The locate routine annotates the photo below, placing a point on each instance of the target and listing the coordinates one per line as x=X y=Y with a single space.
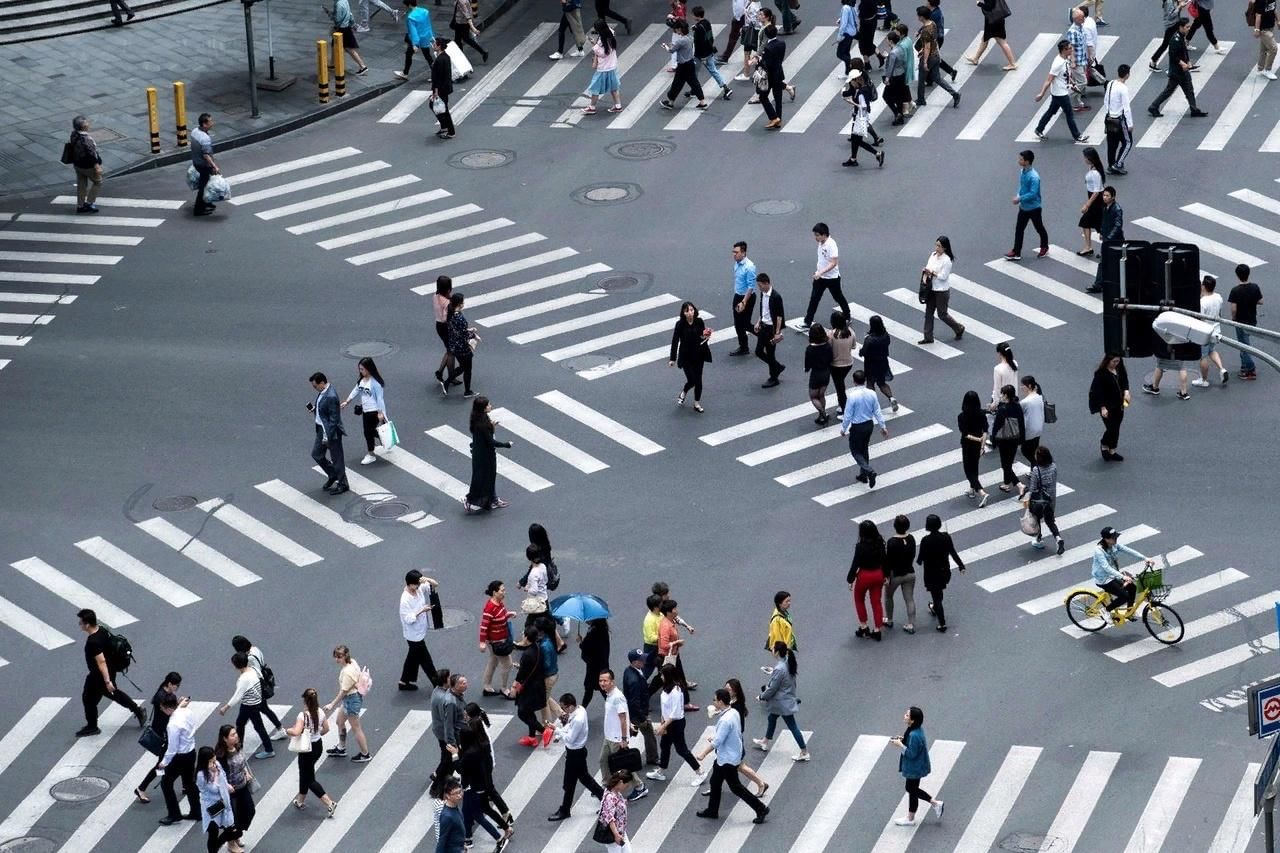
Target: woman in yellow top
x=780 y=628
x=352 y=701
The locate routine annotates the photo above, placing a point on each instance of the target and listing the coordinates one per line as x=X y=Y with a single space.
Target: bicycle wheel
x=1163 y=622
x=1085 y=611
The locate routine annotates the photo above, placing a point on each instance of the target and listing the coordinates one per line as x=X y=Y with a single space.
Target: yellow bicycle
x=1087 y=608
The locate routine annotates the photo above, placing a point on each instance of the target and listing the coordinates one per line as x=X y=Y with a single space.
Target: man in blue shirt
x=727 y=745
x=744 y=279
x=860 y=411
x=1028 y=203
x=451 y=837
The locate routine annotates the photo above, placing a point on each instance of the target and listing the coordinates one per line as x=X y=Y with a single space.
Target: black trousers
x=1183 y=82
x=445 y=766
x=844 y=51
x=307 y=770
x=417 y=657
x=970 y=454
x=369 y=421
x=735 y=31
x=1008 y=453
x=860 y=446
x=408 y=54
x=674 y=737
x=206 y=172
x=693 y=377
x=95 y=690
x=1122 y=594
x=772 y=100
x=1111 y=435
x=216 y=836
x=119 y=7
x=942 y=63
x=821 y=285
x=1164 y=44
x=446 y=125
x=183 y=766
x=867 y=39
x=330 y=457
x=914 y=795
x=727 y=774
x=463 y=365
x=249 y=712
x=462 y=35
x=1035 y=217
x=1029 y=449
x=741 y=321
x=765 y=348
x=936 y=595
x=1204 y=19
x=856 y=142
x=244 y=808
x=686 y=75
x=838 y=375
x=604 y=13
x=1118 y=145
x=529 y=716
x=575 y=771
x=1048 y=520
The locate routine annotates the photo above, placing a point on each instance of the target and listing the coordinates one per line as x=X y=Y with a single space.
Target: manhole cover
x=371 y=349
x=176 y=503
x=386 y=509
x=611 y=193
x=640 y=149
x=455 y=616
x=1030 y=842
x=28 y=844
x=80 y=789
x=481 y=159
x=588 y=362
x=772 y=207
x=615 y=283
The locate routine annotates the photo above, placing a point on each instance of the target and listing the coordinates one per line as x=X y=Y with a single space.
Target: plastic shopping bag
x=387 y=435
x=193 y=178
x=461 y=65
x=1030 y=524
x=217 y=189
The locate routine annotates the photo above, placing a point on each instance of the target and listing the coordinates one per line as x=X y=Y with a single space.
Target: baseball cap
x=635 y=655
x=412 y=577
x=1110 y=533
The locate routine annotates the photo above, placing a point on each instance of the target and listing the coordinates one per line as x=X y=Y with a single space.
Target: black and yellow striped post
x=180 y=111
x=322 y=69
x=339 y=67
x=153 y=119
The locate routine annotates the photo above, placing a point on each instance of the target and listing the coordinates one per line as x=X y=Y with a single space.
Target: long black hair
x=781 y=648
x=607 y=41
x=367 y=364
x=840 y=325
x=945 y=243
x=455 y=305
x=479 y=417
x=203 y=757
x=917 y=720
x=740 y=703
x=970 y=403
x=538 y=537
x=1006 y=353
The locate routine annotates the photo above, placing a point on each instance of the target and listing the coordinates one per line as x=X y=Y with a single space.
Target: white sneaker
x=938 y=806
x=576 y=52
x=699 y=779
x=368 y=459
x=656 y=775
x=401 y=75
x=761 y=744
x=1270 y=75
x=557 y=55
x=1225 y=375
x=904 y=821
x=278 y=734
x=800 y=756
x=1200 y=383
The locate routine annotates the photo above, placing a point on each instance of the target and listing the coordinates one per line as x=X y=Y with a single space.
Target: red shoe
x=547 y=734
x=528 y=740
x=1042 y=253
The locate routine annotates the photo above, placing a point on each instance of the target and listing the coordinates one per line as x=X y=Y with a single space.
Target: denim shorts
x=352 y=704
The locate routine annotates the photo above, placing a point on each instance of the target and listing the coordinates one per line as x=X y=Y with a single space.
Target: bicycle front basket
x=1159 y=593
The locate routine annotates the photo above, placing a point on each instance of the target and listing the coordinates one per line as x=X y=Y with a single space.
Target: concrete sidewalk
x=104 y=75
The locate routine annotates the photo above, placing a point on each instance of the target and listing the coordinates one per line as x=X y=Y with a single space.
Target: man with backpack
x=105 y=654
x=88 y=165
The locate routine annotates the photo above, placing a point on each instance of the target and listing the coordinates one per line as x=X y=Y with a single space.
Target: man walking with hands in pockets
x=860 y=412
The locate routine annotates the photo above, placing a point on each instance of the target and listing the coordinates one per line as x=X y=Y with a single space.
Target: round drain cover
x=175 y=503
x=615 y=283
x=1030 y=842
x=483 y=158
x=455 y=616
x=386 y=509
x=80 y=789
x=640 y=149
x=28 y=844
x=773 y=207
x=611 y=193
x=588 y=361
x=371 y=349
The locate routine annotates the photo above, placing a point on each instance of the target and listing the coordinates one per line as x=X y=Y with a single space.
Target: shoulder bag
x=68 y=153
x=1008 y=431
x=1038 y=501
x=153 y=741
x=603 y=833
x=1050 y=413
x=1110 y=123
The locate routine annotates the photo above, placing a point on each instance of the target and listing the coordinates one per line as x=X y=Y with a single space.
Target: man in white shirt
x=826 y=276
x=768 y=328
x=179 y=761
x=414 y=608
x=248 y=695
x=1119 y=121
x=617 y=729
x=572 y=728
x=1056 y=84
x=1210 y=305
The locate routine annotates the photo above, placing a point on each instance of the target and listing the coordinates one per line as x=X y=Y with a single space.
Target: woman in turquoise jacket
x=913 y=764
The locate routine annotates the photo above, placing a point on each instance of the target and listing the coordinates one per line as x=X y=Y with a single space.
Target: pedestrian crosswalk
x=526 y=87
x=46 y=259
x=846 y=798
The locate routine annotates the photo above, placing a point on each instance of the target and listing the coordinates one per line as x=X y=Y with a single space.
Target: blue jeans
x=709 y=63
x=1246 y=360
x=790 y=720
x=1059 y=102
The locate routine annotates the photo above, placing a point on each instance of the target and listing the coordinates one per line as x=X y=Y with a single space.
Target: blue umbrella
x=582 y=606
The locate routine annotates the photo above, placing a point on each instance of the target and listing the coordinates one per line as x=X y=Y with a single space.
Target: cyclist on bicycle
x=1106 y=569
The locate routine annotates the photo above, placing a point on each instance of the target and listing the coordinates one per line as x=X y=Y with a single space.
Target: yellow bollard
x=180 y=111
x=322 y=69
x=339 y=67
x=153 y=119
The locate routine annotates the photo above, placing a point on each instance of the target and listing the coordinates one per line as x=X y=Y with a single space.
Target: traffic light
x=1153 y=274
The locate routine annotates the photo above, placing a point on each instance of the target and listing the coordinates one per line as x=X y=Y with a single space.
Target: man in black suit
x=329 y=433
x=771 y=56
x=768 y=327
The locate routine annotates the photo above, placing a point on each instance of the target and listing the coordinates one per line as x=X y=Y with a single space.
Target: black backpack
x=119 y=651
x=267 y=679
x=869 y=92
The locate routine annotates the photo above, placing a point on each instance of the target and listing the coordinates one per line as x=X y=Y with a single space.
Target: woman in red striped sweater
x=496 y=639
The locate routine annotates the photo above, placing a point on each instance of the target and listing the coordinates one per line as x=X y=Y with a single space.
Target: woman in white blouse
x=937 y=271
x=216 y=817
x=1004 y=373
x=370 y=404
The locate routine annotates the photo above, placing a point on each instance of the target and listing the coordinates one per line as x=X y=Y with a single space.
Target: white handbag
x=387 y=435
x=300 y=742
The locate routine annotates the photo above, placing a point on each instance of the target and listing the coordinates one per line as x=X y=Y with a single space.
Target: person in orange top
x=670 y=642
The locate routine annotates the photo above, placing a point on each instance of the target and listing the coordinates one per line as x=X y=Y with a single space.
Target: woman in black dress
x=993 y=14
x=1108 y=397
x=530 y=687
x=690 y=351
x=875 y=359
x=1091 y=210
x=1007 y=432
x=817 y=363
x=936 y=553
x=594 y=648
x=484 y=460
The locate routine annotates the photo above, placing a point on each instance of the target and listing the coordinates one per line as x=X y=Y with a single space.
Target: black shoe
x=850 y=163
x=408 y=685
x=202 y=211
x=88 y=731
x=1199 y=114
x=484 y=57
x=1093 y=288
x=880 y=159
x=142 y=717
x=129 y=17
x=557 y=815
x=742 y=351
x=1119 y=170
x=340 y=489
x=626 y=22
x=707 y=813
x=762 y=817
x=169 y=820
x=871 y=480
x=955 y=99
x=1116 y=457
x=1154 y=113
x=862 y=632
x=861 y=478
x=1062 y=546
x=329 y=483
x=772 y=383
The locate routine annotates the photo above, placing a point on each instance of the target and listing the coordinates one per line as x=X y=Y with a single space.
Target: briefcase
x=628 y=759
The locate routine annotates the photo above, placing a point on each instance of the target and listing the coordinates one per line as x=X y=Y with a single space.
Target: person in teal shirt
x=1029 y=207
x=914 y=765
x=418 y=35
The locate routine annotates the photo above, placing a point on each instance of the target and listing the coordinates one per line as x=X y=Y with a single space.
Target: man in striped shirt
x=1079 y=58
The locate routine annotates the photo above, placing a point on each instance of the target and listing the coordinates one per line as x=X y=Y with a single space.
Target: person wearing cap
x=414 y=608
x=855 y=95
x=1106 y=569
x=636 y=688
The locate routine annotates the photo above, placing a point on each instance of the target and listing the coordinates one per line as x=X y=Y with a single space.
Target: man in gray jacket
x=446 y=722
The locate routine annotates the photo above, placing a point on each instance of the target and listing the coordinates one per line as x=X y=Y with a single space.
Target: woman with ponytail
x=780 y=698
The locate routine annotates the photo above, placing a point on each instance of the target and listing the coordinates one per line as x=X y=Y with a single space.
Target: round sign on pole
x=1271 y=710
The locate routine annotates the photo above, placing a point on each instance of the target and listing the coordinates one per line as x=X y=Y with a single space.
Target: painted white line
x=892 y=478
x=26 y=319
x=60 y=258
x=544 y=283
x=639 y=48
x=573 y=830
x=1213 y=663
x=1052 y=563
x=498 y=75
x=1077 y=808
x=431 y=242
x=394 y=206
x=130 y=567
x=1153 y=827
x=78 y=239
x=687 y=114
x=1056 y=599
x=14 y=340
x=1231 y=116
x=33 y=628
x=77 y=219
x=1088 y=266
x=939 y=101
x=28 y=728
x=998 y=508
x=935 y=497
x=988 y=819
x=1271 y=144
x=904 y=333
x=543 y=86
x=1160 y=129
x=397 y=228
x=1235 y=223
x=648 y=356
x=546 y=441
x=553 y=329
x=110 y=201
x=1011 y=541
x=339 y=197
x=295 y=165
x=394 y=750
x=1029 y=65
x=632 y=334
x=1182 y=235
x=827 y=90
x=427 y=473
x=1199 y=627
x=825 y=819
x=845 y=461
x=774 y=769
x=312 y=510
x=307 y=183
x=527 y=781
x=1236 y=829
x=4 y=362
x=72 y=763
x=1043 y=283
x=1138 y=74
x=794 y=61
x=1028 y=133
x=1257 y=199
x=73 y=592
x=268 y=537
x=516 y=473
x=371 y=491
x=461 y=257
x=544 y=307
x=48 y=278
x=198 y=552
x=38 y=298
x=813 y=438
x=972 y=326
x=675 y=795
x=406 y=107
x=606 y=426
x=762 y=423
x=502 y=269
x=942 y=756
